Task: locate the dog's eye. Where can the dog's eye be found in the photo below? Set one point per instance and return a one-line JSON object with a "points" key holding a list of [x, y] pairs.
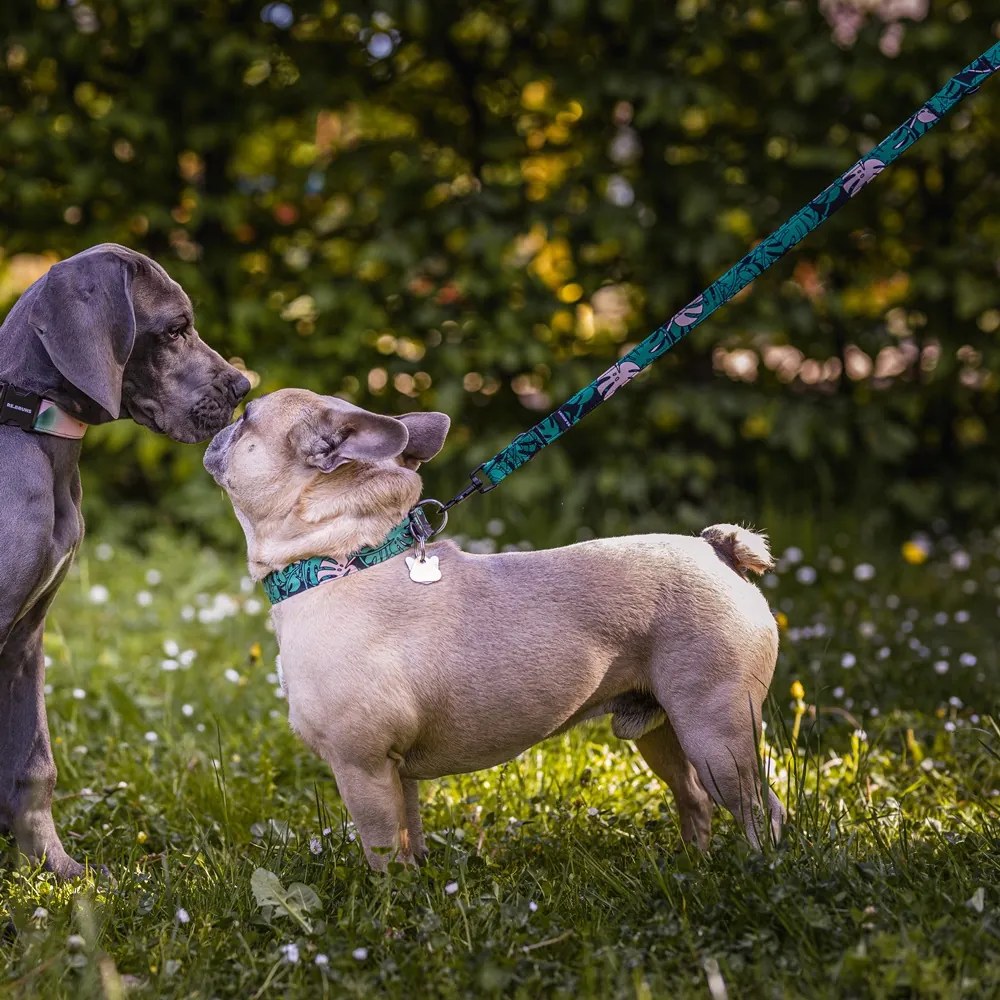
{"points": [[177, 330]]}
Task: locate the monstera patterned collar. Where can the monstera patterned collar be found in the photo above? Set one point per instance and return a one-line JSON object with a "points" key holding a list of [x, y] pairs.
{"points": [[308, 573], [31, 412]]}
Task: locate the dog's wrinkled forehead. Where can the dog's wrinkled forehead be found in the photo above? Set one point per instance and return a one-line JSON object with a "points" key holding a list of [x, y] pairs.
{"points": [[158, 299]]}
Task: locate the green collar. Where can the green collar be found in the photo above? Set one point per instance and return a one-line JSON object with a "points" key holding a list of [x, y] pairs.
{"points": [[414, 530], [308, 573]]}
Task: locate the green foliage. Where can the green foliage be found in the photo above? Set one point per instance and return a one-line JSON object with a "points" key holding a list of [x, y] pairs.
{"points": [[560, 874], [475, 207]]}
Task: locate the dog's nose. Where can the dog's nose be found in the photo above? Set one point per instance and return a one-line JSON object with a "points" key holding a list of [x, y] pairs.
{"points": [[238, 388]]}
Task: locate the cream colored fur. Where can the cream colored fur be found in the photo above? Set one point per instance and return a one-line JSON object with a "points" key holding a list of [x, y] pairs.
{"points": [[392, 682]]}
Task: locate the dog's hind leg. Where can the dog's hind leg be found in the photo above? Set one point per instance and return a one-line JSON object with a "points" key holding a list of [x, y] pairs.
{"points": [[411, 795], [662, 752], [373, 794], [718, 731]]}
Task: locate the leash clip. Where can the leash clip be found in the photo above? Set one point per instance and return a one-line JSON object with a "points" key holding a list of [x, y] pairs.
{"points": [[422, 569], [420, 525]]}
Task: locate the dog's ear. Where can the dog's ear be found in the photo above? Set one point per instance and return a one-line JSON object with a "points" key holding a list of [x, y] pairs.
{"points": [[341, 432], [83, 315], [427, 434]]}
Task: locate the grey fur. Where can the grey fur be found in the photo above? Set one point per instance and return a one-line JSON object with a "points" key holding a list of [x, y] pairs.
{"points": [[93, 335], [392, 682]]}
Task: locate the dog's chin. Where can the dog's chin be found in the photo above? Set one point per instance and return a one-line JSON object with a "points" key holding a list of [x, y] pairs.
{"points": [[204, 420]]}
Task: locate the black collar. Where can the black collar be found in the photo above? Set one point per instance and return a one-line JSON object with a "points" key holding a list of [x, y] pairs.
{"points": [[31, 412]]}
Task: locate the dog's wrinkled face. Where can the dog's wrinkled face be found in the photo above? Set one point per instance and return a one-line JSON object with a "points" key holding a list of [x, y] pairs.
{"points": [[174, 382], [296, 454], [120, 331]]}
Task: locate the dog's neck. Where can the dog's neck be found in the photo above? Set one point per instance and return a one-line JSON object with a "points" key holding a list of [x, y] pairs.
{"points": [[329, 522]]}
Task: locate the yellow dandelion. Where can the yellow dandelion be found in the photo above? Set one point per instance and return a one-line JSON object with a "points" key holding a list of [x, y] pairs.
{"points": [[782, 619], [798, 691], [914, 552], [141, 837], [255, 652]]}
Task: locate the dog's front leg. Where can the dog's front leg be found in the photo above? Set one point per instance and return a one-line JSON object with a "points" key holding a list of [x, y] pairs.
{"points": [[27, 770], [411, 795], [373, 794]]}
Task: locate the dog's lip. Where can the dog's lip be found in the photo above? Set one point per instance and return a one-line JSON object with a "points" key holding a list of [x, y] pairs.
{"points": [[144, 415]]}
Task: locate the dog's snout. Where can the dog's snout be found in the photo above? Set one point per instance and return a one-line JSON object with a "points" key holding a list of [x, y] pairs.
{"points": [[238, 387], [215, 455], [235, 387]]}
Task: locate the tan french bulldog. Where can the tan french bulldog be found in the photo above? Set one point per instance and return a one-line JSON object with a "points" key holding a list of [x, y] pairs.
{"points": [[392, 681]]}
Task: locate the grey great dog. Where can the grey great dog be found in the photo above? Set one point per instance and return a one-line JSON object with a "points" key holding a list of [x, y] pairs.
{"points": [[104, 334]]}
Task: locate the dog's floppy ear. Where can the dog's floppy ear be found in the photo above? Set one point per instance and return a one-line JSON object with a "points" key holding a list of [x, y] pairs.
{"points": [[427, 434], [341, 432], [83, 315]]}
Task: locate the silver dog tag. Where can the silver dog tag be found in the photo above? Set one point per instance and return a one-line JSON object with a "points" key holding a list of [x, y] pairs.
{"points": [[424, 570]]}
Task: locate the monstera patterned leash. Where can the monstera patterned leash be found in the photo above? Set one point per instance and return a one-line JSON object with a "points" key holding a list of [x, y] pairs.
{"points": [[417, 528]]}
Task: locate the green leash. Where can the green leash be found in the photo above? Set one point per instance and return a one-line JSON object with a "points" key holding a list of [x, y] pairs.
{"points": [[417, 530]]}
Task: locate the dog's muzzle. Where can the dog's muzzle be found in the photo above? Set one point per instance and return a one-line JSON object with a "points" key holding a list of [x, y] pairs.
{"points": [[213, 411], [215, 455]]}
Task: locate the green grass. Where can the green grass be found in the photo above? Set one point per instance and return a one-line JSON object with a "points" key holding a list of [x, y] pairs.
{"points": [[561, 874]]}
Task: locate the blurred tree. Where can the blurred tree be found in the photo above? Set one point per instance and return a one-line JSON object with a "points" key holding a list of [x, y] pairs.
{"points": [[476, 206]]}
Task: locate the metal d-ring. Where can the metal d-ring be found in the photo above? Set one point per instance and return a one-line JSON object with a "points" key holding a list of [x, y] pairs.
{"points": [[420, 526]]}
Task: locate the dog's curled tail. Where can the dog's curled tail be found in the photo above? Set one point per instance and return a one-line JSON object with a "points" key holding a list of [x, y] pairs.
{"points": [[742, 548]]}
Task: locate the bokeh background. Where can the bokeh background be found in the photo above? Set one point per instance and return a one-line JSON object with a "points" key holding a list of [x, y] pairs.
{"points": [[475, 207]]}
